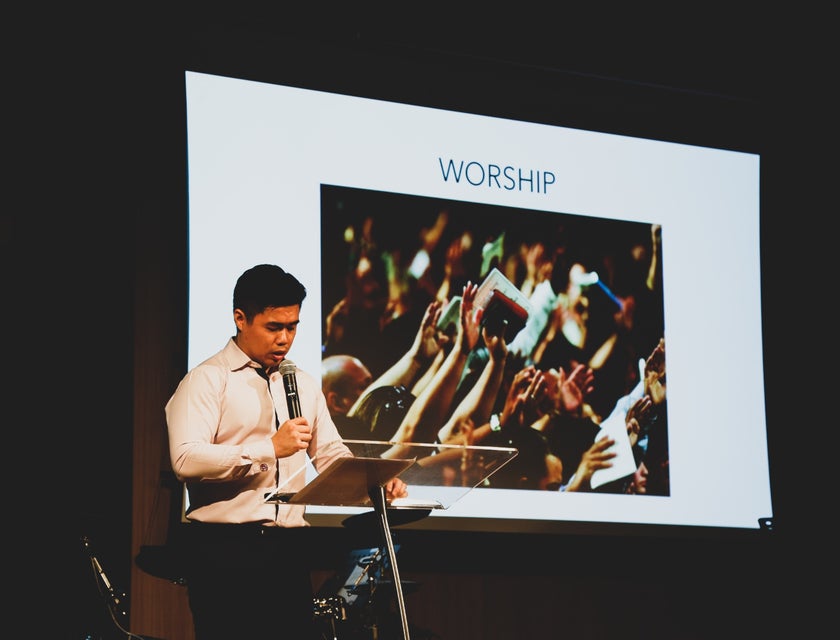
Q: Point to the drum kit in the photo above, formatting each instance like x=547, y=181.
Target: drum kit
x=356, y=603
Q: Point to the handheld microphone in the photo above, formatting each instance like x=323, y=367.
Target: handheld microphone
x=287, y=370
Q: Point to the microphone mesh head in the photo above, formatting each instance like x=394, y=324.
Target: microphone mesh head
x=287, y=367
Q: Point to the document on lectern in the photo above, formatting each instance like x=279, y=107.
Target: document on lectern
x=345, y=483
x=436, y=475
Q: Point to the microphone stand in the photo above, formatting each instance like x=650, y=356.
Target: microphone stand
x=113, y=596
x=115, y=599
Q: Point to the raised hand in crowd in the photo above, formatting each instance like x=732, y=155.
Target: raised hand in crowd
x=473, y=409
x=575, y=387
x=408, y=369
x=469, y=320
x=335, y=322
x=477, y=405
x=454, y=270
x=434, y=402
x=538, y=266
x=523, y=397
x=638, y=417
x=594, y=458
x=654, y=383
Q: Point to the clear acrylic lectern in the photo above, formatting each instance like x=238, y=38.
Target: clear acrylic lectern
x=437, y=476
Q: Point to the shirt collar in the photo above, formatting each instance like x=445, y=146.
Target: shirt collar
x=239, y=360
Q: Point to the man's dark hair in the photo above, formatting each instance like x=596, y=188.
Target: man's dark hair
x=264, y=286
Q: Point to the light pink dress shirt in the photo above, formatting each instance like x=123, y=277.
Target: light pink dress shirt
x=220, y=420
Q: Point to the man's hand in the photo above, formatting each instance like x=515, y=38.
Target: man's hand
x=293, y=435
x=395, y=488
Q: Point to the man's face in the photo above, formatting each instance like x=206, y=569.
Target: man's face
x=270, y=334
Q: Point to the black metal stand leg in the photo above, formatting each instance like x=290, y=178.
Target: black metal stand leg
x=377, y=495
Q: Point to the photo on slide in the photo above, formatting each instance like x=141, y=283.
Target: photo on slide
x=589, y=294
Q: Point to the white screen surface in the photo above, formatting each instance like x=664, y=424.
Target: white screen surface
x=259, y=155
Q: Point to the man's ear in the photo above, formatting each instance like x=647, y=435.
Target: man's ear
x=239, y=318
x=334, y=403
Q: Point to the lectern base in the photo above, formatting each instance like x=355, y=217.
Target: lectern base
x=369, y=520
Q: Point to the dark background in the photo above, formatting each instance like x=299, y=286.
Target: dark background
x=99, y=144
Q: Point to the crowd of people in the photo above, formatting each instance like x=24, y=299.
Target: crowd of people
x=591, y=353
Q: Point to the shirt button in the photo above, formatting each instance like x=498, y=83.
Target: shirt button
x=263, y=466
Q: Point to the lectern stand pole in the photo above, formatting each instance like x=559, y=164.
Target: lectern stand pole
x=377, y=495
